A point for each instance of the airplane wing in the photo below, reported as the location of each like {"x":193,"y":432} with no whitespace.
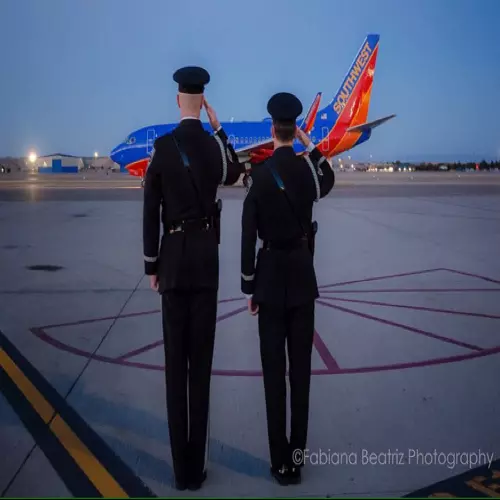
{"x":263,"y":149}
{"x":370,"y":125}
{"x":257,"y":146}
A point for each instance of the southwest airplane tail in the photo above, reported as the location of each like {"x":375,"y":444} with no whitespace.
{"x":339,"y":126}
{"x":343,"y":120}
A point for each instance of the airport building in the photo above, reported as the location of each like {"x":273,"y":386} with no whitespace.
{"x":58,"y":164}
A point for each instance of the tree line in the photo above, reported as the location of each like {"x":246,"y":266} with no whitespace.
{"x":483,"y":165}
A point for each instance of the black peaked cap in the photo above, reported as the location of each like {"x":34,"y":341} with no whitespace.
{"x":284,"y":107}
{"x":192,"y":79}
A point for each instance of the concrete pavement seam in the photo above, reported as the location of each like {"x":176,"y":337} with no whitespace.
{"x":91,"y":357}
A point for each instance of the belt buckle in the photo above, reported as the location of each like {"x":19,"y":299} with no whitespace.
{"x":176,"y":229}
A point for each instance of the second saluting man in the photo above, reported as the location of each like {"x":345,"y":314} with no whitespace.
{"x":281,"y":286}
{"x":181,"y":185}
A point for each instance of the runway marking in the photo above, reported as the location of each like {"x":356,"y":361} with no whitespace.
{"x":416,"y":290}
{"x":39,"y":332}
{"x":377,"y":278}
{"x":415,"y":308}
{"x":331,"y":369}
{"x":325,"y":354}
{"x":472,"y":275}
{"x":403,"y":327}
{"x":82,"y":459}
{"x":39,"y":187}
{"x":414,"y":273}
{"x":122,"y":360}
{"x":141,"y":350}
{"x":483,"y":479}
{"x":158,"y":343}
{"x":39,"y":403}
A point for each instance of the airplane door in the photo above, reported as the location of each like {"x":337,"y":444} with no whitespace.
{"x":150,"y":141}
{"x":325,"y":131}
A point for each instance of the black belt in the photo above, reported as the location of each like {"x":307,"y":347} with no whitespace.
{"x":191,"y":225}
{"x":286,"y":244}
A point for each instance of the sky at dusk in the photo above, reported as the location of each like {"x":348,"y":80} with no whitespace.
{"x":77,"y":76}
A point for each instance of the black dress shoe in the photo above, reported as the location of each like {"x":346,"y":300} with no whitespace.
{"x":195,"y":484}
{"x":180,"y":485}
{"x":294,"y":475}
{"x":281,"y":475}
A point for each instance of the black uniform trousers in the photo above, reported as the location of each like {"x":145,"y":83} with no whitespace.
{"x":295,"y":327}
{"x":189,"y":320}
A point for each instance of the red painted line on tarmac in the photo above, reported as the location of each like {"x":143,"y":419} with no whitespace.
{"x":258,"y":373}
{"x":325,"y":354}
{"x":331,"y":370}
{"x":232,"y":313}
{"x":136,"y":352}
{"x":415,"y":290}
{"x":416,"y":308}
{"x":96,"y":320}
{"x":472,"y":275}
{"x":38,"y":332}
{"x":127,"y":315}
{"x":42,"y":335}
{"x":404,"y":327}
{"x":377,"y":278}
{"x":420,"y":364}
{"x":153,"y":345}
{"x":236,"y":299}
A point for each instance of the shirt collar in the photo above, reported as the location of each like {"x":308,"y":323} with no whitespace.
{"x":189,"y":122}
{"x":284,"y":150}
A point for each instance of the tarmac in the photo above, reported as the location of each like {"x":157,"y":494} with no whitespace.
{"x":406,"y":364}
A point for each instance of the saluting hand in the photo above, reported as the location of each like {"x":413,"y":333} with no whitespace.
{"x":212,"y":116}
{"x":302,"y":137}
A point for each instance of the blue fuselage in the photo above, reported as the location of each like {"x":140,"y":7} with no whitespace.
{"x":242,"y":135}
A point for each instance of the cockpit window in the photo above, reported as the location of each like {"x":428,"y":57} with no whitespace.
{"x":130,"y":140}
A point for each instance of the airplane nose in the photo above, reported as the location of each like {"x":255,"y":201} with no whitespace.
{"x":115,"y":154}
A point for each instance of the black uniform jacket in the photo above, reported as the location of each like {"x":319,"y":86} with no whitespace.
{"x":185,"y":259}
{"x":283,"y":277}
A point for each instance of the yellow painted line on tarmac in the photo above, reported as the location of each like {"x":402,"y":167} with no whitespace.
{"x":93,"y":469}
{"x":39,"y":403}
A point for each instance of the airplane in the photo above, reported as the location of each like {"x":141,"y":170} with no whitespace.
{"x":338,"y":127}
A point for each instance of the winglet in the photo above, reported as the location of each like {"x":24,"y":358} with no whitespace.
{"x":365,"y":127}
{"x":310,"y":118}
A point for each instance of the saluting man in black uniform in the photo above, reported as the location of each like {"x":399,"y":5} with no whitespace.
{"x":181,"y":185}
{"x":281,"y":286}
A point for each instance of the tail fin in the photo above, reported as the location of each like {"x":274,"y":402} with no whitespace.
{"x":310,"y":118}
{"x":350,"y":105}
{"x":365,"y":59}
